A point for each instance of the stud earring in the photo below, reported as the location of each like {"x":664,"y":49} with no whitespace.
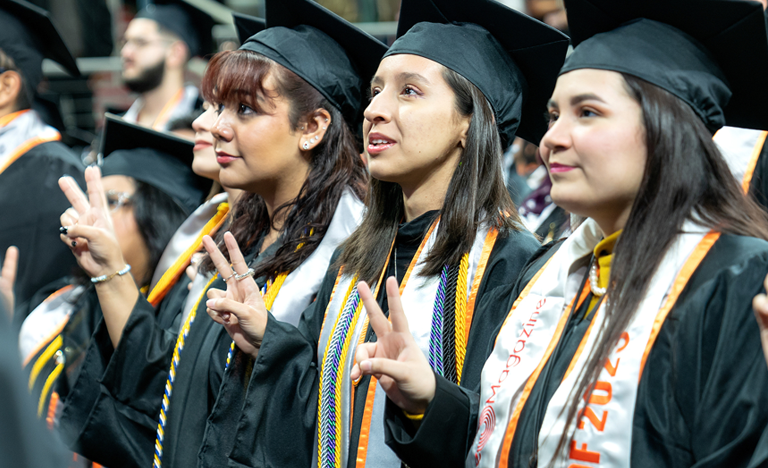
{"x":306,"y":145}
{"x":325,"y":128}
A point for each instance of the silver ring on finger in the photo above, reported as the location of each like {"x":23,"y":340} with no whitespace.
{"x":230,"y":277}
{"x":247,"y":274}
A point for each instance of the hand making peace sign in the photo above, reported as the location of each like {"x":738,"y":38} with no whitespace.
{"x":240,"y":308}
{"x":394,"y":359}
{"x":89,"y":232}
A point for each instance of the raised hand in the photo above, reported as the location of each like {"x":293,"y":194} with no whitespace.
{"x":89,"y":232}
{"x":394,"y":359}
{"x":240,"y":308}
{"x":760,"y":306}
{"x":8,"y":278}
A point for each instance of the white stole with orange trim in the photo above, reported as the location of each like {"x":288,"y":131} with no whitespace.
{"x":530,"y":334}
{"x":740,"y":148}
{"x":418,"y":299}
{"x":47,"y":320}
{"x":185,"y":105}
{"x":186,"y":235}
{"x":23,"y":129}
{"x":302,"y":284}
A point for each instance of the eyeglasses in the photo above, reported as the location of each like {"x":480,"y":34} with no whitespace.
{"x":141,"y":43}
{"x":116,"y":199}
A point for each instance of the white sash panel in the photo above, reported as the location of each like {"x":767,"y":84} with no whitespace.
{"x":737,"y":145}
{"x":418,"y":301}
{"x":302,"y":284}
{"x":186,"y":235}
{"x":23,"y":128}
{"x":530,"y":330}
{"x":47,"y":318}
{"x":604,"y":436}
{"x":523,"y":341}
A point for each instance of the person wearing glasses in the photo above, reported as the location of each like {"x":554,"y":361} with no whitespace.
{"x":148,"y":192}
{"x":156,"y":48}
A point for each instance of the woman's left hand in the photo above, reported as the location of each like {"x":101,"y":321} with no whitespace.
{"x":240,"y":308}
{"x":760,"y":306}
{"x":8,"y":278}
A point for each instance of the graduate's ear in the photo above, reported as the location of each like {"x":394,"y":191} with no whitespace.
{"x":463,"y":130}
{"x":10,"y":88}
{"x":313,"y":128}
{"x":177,"y":54}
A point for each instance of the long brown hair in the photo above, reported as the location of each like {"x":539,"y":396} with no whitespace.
{"x":335,"y":164}
{"x":476,"y":195}
{"x":685,"y":174}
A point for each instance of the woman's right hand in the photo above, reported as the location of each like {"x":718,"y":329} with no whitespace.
{"x":240,"y":308}
{"x":89,"y":232}
{"x":394,"y":359}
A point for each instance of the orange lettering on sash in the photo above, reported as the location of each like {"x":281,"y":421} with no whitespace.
{"x":611,"y":368}
{"x":600,"y":399}
{"x":583,"y":454}
{"x":599,"y":423}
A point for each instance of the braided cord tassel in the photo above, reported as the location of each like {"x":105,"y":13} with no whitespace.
{"x":269,"y":293}
{"x":436,"y":333}
{"x":331,"y":375}
{"x":158,"y":457}
{"x":461,"y":315}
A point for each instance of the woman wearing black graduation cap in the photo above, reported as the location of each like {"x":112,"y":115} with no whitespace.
{"x":664,"y":299}
{"x":440,"y":221}
{"x":284,"y":134}
{"x":148,"y":193}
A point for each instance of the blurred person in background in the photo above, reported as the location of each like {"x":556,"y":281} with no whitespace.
{"x":157,"y":45}
{"x":31,"y":157}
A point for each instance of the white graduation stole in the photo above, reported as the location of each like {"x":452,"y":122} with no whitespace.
{"x":602,"y":437}
{"x":418,"y":299}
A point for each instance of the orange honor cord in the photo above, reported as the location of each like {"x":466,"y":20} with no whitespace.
{"x":165,"y":113}
{"x":365,"y":427}
{"x":753,"y":162}
{"x":174,"y":272}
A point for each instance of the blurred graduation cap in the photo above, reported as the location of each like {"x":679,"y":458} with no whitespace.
{"x":193,"y":25}
{"x":247,"y":26}
{"x":712,"y":54}
{"x":159,"y":159}
{"x":512,"y":58}
{"x":27,"y":35}
{"x":333,"y":55}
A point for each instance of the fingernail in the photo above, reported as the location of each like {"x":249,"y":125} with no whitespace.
{"x":366,"y":366}
{"x":211,"y":303}
{"x":74,"y":243}
{"x":63,"y":230}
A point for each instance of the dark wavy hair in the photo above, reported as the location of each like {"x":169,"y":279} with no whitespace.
{"x":685,"y":174}
{"x":476,"y":194}
{"x":335,"y":164}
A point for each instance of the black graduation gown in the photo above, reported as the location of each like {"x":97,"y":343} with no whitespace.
{"x":758,"y":186}
{"x":112,"y":412}
{"x":701,"y":400}
{"x":31,"y":203}
{"x":272,"y":422}
{"x":24,"y":441}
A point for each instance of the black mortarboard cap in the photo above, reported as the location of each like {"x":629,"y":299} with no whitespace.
{"x":512,"y":58}
{"x":247,"y":26}
{"x":712,"y":54}
{"x":191,"y":24}
{"x":27,"y":35}
{"x":328,"y":52}
{"x":159,"y":159}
